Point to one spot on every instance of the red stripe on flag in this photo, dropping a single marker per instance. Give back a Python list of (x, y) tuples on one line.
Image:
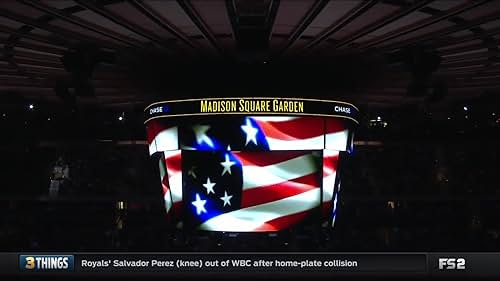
[(283, 222), (332, 157), (330, 164), (334, 125), (266, 194), (174, 164), (266, 158), (300, 128), (155, 127), (164, 185)]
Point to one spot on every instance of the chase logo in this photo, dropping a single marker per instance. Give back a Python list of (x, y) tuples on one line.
[(158, 109), (46, 262)]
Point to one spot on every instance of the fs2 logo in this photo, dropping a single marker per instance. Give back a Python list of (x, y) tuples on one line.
[(46, 262), (451, 263)]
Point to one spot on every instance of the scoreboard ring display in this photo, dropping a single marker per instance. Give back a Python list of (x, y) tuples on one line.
[(254, 105), (250, 164)]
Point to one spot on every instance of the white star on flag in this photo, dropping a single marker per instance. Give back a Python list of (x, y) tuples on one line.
[(199, 204), (201, 134), (226, 199), (227, 165), (250, 131), (209, 186)]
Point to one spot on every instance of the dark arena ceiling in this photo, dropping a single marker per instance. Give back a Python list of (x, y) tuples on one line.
[(126, 53)]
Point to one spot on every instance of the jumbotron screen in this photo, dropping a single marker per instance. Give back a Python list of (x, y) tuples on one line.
[(249, 165)]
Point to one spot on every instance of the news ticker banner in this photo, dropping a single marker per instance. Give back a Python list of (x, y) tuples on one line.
[(252, 106), (275, 264)]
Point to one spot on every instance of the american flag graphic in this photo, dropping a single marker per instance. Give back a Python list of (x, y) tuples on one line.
[(171, 178), (249, 174), (250, 191), (249, 133), (330, 163), (161, 136)]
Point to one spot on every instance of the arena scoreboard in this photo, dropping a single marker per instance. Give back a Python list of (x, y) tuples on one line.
[(250, 164)]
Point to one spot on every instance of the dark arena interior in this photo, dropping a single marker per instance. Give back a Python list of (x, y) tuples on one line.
[(76, 76)]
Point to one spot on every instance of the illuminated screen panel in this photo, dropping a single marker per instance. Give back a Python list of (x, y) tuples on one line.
[(253, 133), (167, 197), (162, 136), (336, 134), (172, 182), (250, 191), (291, 132), (248, 133), (330, 167), (228, 167)]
